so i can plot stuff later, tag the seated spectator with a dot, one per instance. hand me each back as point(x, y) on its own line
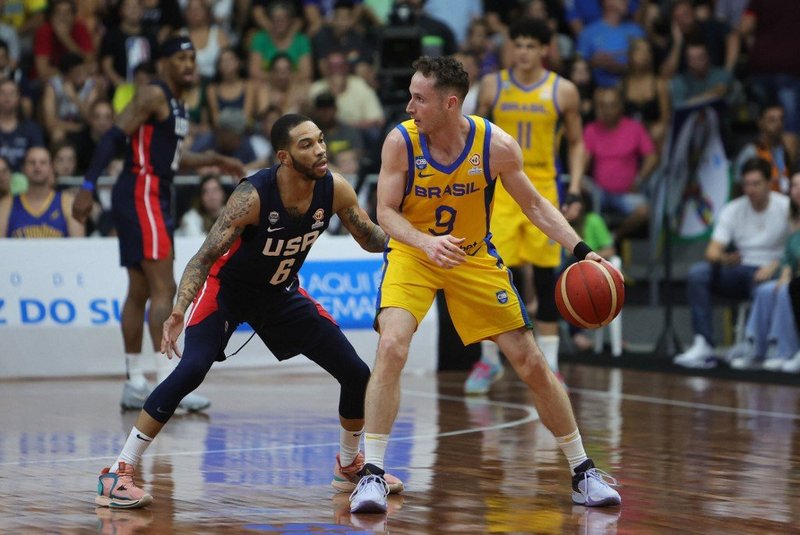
point(126, 45)
point(206, 207)
point(581, 13)
point(581, 75)
point(646, 95)
point(345, 143)
point(8, 71)
point(143, 74)
point(771, 332)
point(437, 38)
point(774, 145)
point(481, 46)
point(744, 251)
point(260, 141)
point(65, 160)
point(5, 179)
point(281, 37)
point(342, 34)
point(101, 119)
point(67, 98)
point(470, 62)
point(702, 81)
point(62, 33)
point(40, 212)
point(230, 90)
point(161, 18)
point(356, 101)
point(604, 43)
point(16, 135)
point(592, 228)
point(227, 138)
point(284, 90)
point(561, 45)
point(208, 38)
point(773, 62)
point(9, 36)
point(623, 157)
point(721, 43)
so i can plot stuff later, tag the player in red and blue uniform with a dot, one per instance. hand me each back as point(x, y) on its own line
point(152, 129)
point(246, 271)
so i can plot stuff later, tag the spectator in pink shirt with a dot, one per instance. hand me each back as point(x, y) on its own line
point(623, 157)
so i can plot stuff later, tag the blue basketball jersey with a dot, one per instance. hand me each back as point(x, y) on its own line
point(269, 255)
point(51, 222)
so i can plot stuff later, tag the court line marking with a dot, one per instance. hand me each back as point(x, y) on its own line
point(532, 415)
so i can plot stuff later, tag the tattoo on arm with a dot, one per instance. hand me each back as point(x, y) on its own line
point(369, 235)
point(223, 234)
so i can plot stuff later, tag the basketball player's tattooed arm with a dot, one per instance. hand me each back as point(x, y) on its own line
point(241, 210)
point(369, 236)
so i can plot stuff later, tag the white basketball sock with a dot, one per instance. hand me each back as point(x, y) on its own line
point(490, 353)
point(164, 366)
point(572, 446)
point(135, 370)
point(348, 445)
point(375, 448)
point(134, 448)
point(549, 346)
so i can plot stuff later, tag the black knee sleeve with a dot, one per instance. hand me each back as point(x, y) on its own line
point(184, 379)
point(338, 357)
point(544, 281)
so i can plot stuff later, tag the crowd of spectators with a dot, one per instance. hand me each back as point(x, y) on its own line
point(68, 67)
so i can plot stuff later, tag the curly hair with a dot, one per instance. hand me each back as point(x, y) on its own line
point(448, 72)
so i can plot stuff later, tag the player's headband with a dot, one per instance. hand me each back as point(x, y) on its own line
point(174, 45)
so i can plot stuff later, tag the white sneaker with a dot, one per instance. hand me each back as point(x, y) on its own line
point(746, 362)
point(700, 355)
point(370, 495)
point(133, 397)
point(592, 487)
point(793, 364)
point(194, 402)
point(774, 364)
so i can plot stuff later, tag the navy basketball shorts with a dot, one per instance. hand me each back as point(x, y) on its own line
point(140, 209)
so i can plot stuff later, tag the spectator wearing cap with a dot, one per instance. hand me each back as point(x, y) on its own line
point(227, 138)
point(61, 34)
point(345, 144)
point(356, 102)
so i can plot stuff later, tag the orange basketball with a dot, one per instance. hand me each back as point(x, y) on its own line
point(590, 294)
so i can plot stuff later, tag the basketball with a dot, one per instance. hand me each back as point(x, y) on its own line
point(590, 294)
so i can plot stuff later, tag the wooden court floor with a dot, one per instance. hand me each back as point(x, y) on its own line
point(692, 455)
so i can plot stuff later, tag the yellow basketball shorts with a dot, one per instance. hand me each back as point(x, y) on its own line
point(518, 240)
point(480, 297)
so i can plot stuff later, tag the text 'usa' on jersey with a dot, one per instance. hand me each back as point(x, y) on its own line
point(269, 255)
point(156, 146)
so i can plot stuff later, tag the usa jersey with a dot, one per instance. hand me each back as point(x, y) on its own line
point(451, 199)
point(269, 255)
point(531, 115)
point(51, 222)
point(155, 147)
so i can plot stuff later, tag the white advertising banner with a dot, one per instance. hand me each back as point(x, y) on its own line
point(61, 302)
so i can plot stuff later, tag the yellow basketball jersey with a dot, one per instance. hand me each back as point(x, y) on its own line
point(453, 199)
point(531, 115)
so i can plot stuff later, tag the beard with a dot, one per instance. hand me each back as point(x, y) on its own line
point(308, 171)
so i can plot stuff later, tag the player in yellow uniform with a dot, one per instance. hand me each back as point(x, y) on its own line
point(436, 187)
point(533, 105)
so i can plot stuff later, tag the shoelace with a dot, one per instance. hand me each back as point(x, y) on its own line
point(366, 480)
point(482, 370)
point(600, 475)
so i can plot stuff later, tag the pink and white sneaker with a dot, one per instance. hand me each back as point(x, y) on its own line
point(345, 478)
point(117, 490)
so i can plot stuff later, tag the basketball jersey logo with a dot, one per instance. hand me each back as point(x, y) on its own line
point(291, 247)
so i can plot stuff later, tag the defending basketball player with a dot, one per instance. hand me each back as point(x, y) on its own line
point(439, 171)
point(152, 127)
point(531, 103)
point(246, 271)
